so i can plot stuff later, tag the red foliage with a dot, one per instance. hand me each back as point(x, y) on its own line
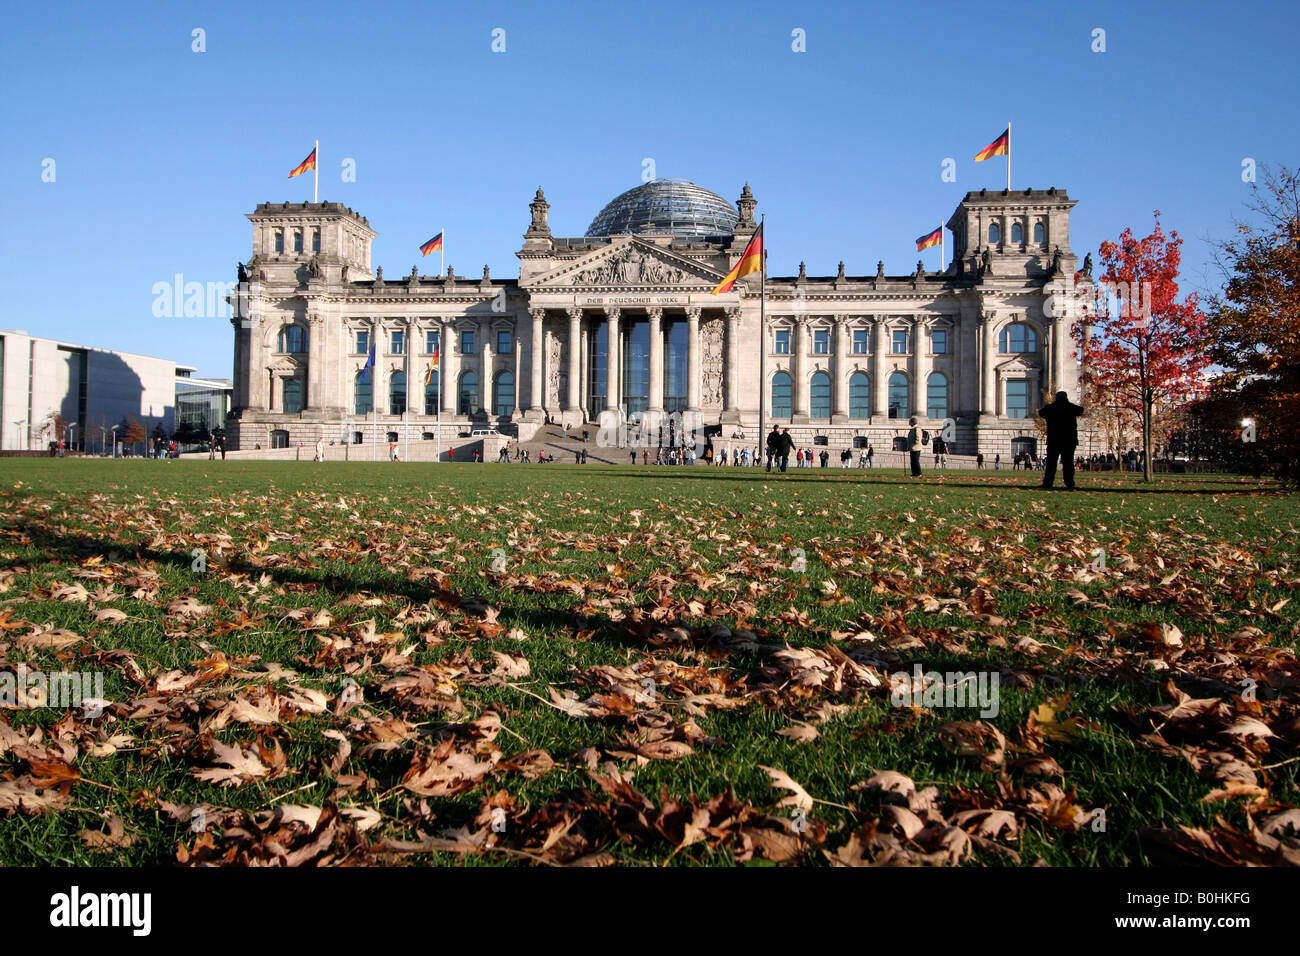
point(1143, 348)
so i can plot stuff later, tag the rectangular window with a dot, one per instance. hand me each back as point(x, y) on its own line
point(297, 240)
point(363, 342)
point(279, 240)
point(821, 341)
point(900, 342)
point(399, 343)
point(939, 341)
point(783, 342)
point(315, 240)
point(859, 341)
point(503, 342)
point(431, 342)
point(1018, 399)
point(467, 342)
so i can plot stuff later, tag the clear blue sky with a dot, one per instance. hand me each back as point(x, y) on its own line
point(161, 151)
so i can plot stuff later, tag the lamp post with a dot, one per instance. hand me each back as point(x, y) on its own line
point(114, 431)
point(71, 433)
point(19, 424)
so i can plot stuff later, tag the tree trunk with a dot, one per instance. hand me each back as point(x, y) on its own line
point(1148, 409)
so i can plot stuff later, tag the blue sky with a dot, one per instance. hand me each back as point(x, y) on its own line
point(160, 151)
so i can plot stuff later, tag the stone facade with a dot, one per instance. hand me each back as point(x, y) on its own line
point(606, 329)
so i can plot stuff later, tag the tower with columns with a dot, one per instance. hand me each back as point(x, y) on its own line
point(619, 326)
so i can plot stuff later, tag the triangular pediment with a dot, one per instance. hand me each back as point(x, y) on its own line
point(629, 263)
point(285, 363)
point(1015, 366)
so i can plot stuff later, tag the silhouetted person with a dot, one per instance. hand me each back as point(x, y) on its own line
point(773, 446)
point(784, 446)
point(1062, 417)
point(914, 442)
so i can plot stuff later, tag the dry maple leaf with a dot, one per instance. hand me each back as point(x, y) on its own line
point(240, 766)
point(798, 795)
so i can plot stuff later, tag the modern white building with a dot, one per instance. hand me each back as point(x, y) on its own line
point(45, 383)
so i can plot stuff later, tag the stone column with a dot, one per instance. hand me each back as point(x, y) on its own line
point(574, 402)
point(840, 371)
point(315, 362)
point(656, 403)
point(535, 366)
point(731, 397)
point(799, 362)
point(447, 363)
point(920, 365)
point(613, 360)
point(584, 368)
point(693, 358)
point(988, 380)
point(879, 389)
point(485, 375)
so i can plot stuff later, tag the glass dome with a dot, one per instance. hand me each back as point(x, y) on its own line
point(675, 206)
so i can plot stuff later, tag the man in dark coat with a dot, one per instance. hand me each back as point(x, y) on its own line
point(784, 445)
point(1062, 417)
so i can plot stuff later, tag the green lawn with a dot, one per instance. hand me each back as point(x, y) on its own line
point(522, 664)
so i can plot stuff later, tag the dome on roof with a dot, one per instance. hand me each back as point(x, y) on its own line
point(674, 206)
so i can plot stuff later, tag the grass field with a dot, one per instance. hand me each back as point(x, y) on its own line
point(324, 664)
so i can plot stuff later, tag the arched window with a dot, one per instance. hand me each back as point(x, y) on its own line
point(995, 234)
point(292, 392)
point(280, 438)
point(503, 401)
point(781, 387)
point(1017, 233)
point(820, 393)
point(363, 391)
point(293, 338)
point(431, 396)
point(859, 395)
point(397, 393)
point(1018, 338)
point(469, 403)
point(936, 396)
point(900, 395)
point(1040, 235)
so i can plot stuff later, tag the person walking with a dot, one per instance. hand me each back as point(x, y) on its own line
point(320, 449)
point(871, 456)
point(773, 446)
point(784, 445)
point(979, 460)
point(826, 458)
point(914, 441)
point(1062, 417)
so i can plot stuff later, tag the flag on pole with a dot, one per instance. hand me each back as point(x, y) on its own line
point(428, 376)
point(751, 260)
point(306, 164)
point(433, 245)
point(370, 363)
point(999, 147)
point(930, 239)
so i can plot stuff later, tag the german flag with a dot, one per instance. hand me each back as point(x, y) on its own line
point(306, 164)
point(433, 245)
point(751, 260)
point(428, 376)
point(999, 147)
point(929, 239)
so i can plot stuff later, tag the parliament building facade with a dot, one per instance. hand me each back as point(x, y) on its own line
point(619, 326)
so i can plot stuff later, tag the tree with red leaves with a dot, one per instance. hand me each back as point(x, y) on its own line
point(1141, 347)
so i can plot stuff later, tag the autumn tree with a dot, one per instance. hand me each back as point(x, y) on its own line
point(1140, 347)
point(133, 432)
point(1254, 323)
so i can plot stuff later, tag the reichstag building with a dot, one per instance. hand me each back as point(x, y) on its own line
point(619, 325)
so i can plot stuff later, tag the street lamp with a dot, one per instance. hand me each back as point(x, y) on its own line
point(19, 424)
point(114, 431)
point(71, 432)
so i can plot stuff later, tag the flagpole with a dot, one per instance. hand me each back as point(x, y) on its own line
point(442, 254)
point(406, 404)
point(315, 189)
point(762, 339)
point(1008, 155)
point(942, 251)
point(437, 450)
